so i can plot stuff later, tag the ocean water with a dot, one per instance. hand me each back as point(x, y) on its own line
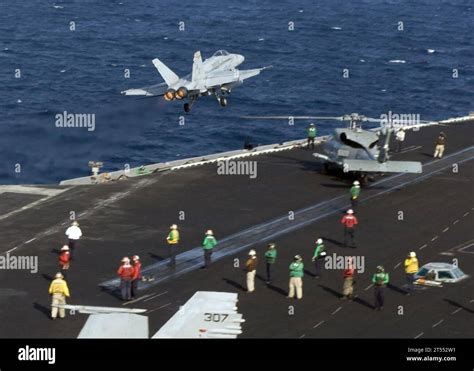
point(82, 71)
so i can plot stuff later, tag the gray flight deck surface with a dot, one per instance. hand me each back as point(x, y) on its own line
point(133, 216)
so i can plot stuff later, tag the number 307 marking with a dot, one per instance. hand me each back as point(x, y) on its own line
point(215, 317)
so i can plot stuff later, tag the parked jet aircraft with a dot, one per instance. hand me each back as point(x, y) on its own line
point(354, 149)
point(216, 76)
point(207, 314)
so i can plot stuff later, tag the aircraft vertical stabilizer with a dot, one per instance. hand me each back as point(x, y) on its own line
point(198, 75)
point(206, 315)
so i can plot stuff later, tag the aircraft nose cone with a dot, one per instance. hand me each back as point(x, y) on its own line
point(240, 58)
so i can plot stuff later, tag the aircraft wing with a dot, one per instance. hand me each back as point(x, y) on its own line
point(246, 74)
point(207, 314)
point(219, 78)
point(115, 326)
point(148, 91)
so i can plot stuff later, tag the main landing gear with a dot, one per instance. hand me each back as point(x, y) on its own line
point(223, 101)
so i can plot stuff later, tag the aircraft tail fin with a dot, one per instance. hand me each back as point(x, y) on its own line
point(198, 69)
point(205, 315)
point(169, 76)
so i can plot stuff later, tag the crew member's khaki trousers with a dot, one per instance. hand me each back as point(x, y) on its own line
point(348, 286)
point(58, 299)
point(439, 150)
point(251, 281)
point(296, 283)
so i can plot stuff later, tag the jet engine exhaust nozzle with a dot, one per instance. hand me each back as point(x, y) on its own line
point(181, 93)
point(170, 94)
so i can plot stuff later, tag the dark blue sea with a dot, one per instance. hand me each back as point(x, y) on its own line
point(82, 71)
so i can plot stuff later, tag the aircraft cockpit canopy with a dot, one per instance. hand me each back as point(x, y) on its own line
point(221, 53)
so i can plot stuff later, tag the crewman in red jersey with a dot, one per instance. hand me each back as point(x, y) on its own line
point(348, 275)
point(125, 273)
point(350, 221)
point(64, 259)
point(137, 275)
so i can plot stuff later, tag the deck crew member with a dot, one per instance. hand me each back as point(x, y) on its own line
point(59, 290)
point(311, 135)
point(73, 233)
point(440, 143)
point(318, 257)
point(64, 259)
point(411, 268)
point(400, 138)
point(349, 282)
point(208, 245)
point(380, 279)
point(125, 272)
point(270, 257)
point(251, 267)
point(355, 192)
point(296, 278)
point(350, 221)
point(173, 240)
point(137, 275)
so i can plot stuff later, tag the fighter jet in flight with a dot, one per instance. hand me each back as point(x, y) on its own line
point(216, 76)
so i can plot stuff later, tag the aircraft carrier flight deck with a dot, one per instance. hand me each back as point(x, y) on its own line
point(132, 216)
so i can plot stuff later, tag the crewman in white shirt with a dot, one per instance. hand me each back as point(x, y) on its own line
point(74, 233)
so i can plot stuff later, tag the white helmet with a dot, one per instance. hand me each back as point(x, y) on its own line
point(356, 183)
point(65, 248)
point(173, 226)
point(126, 260)
point(75, 223)
point(298, 258)
point(58, 275)
point(135, 257)
point(350, 211)
point(319, 241)
point(209, 232)
point(252, 253)
point(412, 254)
